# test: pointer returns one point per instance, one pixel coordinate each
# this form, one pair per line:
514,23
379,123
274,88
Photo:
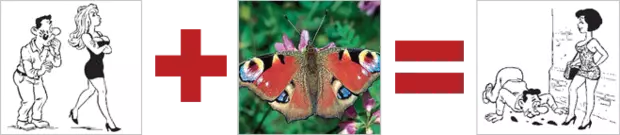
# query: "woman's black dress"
94,66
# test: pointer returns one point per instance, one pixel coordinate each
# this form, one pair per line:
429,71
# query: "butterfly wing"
272,78
345,74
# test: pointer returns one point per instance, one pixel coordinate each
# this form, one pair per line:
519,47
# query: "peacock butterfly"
309,81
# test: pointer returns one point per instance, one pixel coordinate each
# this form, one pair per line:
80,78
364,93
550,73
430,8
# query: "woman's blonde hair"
82,24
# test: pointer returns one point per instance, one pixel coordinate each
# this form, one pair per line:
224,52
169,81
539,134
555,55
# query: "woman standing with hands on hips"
97,44
584,68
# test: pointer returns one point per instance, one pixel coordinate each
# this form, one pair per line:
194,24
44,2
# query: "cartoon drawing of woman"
97,44
589,71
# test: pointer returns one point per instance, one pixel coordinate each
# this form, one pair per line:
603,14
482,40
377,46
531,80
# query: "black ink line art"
98,45
583,68
37,58
510,89
86,128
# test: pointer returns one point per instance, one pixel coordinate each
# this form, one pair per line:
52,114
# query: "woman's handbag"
571,70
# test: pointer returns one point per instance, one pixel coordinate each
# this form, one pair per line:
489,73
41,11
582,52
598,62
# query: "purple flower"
369,6
303,42
350,112
377,115
369,102
349,127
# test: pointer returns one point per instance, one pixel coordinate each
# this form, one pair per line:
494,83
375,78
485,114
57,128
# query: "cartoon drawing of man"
37,58
511,90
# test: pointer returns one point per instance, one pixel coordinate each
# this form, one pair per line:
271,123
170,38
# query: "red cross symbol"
190,65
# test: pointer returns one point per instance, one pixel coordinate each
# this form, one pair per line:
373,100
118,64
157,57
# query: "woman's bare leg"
84,96
590,101
572,96
102,99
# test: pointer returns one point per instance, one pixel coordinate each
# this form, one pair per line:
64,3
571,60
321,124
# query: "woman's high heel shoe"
585,126
107,127
571,119
75,120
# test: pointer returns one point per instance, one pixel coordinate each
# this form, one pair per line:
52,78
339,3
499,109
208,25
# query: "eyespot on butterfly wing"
355,68
270,77
346,74
267,75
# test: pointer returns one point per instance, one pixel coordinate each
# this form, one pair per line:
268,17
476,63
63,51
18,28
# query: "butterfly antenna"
289,22
317,31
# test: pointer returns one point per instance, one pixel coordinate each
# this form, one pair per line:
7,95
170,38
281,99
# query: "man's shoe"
40,123
25,125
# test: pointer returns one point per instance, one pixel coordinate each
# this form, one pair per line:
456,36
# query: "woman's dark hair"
592,17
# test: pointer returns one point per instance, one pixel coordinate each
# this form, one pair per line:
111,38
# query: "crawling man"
511,90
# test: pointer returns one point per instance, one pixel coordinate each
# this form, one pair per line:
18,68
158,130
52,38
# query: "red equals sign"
429,51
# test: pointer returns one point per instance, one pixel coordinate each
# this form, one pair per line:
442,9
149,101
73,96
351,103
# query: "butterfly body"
311,81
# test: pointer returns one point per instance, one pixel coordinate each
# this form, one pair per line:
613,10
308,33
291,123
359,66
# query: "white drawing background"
121,21
519,34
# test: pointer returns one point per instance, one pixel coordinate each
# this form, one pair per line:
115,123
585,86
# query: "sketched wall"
565,36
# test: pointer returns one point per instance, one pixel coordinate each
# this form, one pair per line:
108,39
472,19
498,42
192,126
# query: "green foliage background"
262,24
